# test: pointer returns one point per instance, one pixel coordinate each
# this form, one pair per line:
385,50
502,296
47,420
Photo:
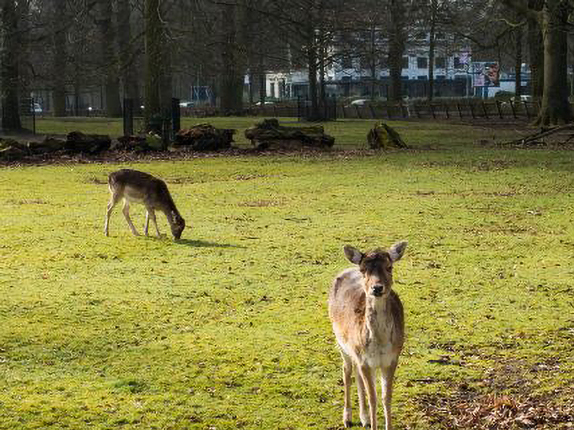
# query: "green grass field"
228,328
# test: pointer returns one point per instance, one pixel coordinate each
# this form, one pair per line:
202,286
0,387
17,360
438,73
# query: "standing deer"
368,322
140,187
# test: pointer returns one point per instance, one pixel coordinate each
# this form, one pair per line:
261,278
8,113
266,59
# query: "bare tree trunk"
536,54
23,13
128,72
555,106
262,81
312,68
59,60
372,59
432,47
397,42
109,59
10,76
231,81
158,69
518,61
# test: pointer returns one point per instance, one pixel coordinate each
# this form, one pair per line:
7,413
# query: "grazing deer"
368,322
140,187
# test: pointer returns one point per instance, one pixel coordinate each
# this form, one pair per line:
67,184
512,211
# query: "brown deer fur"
140,187
368,322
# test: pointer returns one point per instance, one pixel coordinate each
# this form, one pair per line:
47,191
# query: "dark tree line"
144,49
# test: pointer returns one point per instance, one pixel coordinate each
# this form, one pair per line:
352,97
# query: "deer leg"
126,211
146,226
113,201
347,380
363,406
368,375
388,374
154,220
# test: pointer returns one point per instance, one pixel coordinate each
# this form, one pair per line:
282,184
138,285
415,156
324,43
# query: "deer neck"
378,318
169,210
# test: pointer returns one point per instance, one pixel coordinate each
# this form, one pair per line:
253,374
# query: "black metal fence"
456,108
326,110
166,125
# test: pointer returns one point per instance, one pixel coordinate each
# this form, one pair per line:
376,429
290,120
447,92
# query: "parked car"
267,103
186,104
38,108
359,102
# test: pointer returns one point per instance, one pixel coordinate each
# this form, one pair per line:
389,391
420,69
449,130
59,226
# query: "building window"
272,89
422,78
422,62
440,77
405,62
440,62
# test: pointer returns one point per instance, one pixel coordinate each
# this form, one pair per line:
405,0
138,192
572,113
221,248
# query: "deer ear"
397,250
353,255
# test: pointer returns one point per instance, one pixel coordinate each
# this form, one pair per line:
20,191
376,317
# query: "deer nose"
377,290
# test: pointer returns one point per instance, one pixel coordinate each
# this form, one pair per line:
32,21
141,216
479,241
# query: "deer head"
376,267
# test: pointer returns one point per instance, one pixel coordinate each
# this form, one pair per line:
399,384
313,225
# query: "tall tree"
158,81
127,50
109,63
232,64
552,17
10,73
397,46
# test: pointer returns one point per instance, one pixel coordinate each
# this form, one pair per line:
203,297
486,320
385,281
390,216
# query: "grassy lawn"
228,328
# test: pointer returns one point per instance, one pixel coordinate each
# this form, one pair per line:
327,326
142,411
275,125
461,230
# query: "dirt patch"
467,409
503,399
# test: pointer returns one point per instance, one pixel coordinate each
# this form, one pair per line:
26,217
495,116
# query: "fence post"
446,110
484,110
499,109
526,109
175,117
372,111
33,108
471,110
459,110
513,110
128,117
432,110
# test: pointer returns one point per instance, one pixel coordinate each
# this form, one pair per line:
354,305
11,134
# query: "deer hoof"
348,424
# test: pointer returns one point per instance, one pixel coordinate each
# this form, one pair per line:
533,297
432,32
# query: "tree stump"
204,137
381,136
268,134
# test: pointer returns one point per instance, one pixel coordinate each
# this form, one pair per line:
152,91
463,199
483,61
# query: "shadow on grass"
205,244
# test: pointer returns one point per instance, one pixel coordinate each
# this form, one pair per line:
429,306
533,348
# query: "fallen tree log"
534,138
268,134
77,141
204,137
381,136
11,150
